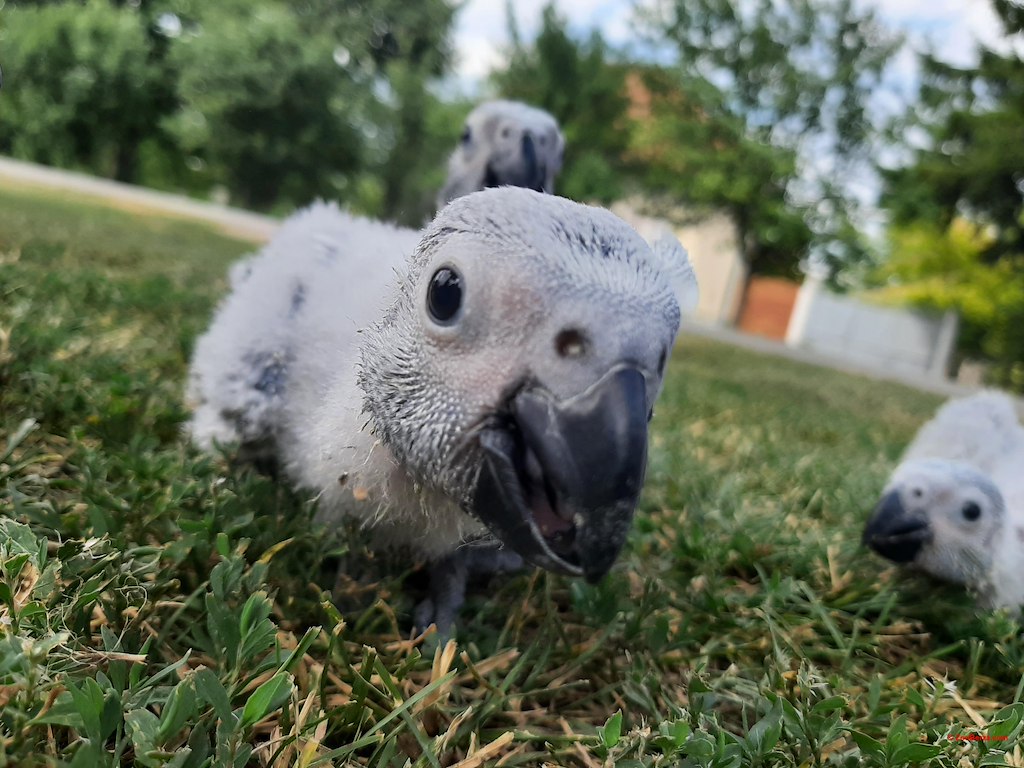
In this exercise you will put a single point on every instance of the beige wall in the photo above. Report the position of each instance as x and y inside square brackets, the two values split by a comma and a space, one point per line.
[713, 246]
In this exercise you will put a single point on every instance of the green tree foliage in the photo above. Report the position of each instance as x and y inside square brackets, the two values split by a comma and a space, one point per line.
[417, 137]
[322, 98]
[330, 101]
[83, 89]
[948, 269]
[580, 84]
[974, 164]
[417, 129]
[266, 106]
[770, 83]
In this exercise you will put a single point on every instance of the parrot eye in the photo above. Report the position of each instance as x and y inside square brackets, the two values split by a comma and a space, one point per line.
[444, 296]
[570, 343]
[464, 138]
[970, 510]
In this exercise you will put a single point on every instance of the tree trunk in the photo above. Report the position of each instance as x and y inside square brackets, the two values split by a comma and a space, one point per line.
[126, 161]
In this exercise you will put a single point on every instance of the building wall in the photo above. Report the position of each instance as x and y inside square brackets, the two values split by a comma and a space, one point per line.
[713, 245]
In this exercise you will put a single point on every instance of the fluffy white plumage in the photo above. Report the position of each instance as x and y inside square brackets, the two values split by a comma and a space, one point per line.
[326, 356]
[954, 507]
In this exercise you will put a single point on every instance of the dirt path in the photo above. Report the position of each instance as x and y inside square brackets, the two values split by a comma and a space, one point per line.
[243, 225]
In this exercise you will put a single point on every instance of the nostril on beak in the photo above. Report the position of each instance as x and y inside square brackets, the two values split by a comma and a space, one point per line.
[570, 343]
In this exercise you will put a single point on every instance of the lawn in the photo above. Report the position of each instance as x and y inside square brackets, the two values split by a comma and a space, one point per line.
[161, 607]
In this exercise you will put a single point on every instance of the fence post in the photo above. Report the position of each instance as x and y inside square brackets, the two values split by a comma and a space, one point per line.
[945, 343]
[796, 330]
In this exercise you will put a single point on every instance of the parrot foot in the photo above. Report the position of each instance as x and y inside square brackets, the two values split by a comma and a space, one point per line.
[449, 577]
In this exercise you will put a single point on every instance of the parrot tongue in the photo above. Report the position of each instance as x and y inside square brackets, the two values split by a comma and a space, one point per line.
[514, 501]
[560, 480]
[543, 502]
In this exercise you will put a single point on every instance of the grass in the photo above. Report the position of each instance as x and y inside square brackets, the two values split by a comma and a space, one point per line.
[161, 607]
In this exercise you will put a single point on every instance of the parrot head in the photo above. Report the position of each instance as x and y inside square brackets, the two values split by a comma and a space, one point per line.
[518, 369]
[942, 517]
[505, 143]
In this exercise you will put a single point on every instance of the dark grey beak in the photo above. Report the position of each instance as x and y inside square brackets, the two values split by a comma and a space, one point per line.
[560, 483]
[526, 171]
[894, 532]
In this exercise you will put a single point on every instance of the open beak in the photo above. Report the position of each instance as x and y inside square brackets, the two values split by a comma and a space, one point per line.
[561, 479]
[895, 532]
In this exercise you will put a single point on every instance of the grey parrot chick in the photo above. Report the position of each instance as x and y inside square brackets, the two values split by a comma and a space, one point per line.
[505, 143]
[954, 507]
[477, 394]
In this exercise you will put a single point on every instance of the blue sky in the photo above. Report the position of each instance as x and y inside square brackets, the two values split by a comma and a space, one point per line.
[951, 26]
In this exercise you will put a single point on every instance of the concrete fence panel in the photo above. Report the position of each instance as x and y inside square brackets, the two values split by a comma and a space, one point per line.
[897, 340]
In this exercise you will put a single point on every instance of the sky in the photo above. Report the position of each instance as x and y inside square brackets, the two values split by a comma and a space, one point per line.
[952, 27]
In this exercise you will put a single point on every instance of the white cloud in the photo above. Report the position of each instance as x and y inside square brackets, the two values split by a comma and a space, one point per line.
[952, 28]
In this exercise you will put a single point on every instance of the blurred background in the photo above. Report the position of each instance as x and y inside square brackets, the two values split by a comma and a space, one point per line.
[849, 176]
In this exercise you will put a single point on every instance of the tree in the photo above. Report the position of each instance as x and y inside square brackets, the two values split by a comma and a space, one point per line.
[266, 106]
[957, 208]
[312, 99]
[418, 134]
[686, 150]
[947, 269]
[973, 165]
[418, 128]
[324, 98]
[783, 88]
[83, 87]
[580, 84]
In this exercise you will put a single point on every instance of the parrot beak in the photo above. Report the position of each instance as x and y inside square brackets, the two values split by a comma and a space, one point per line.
[561, 480]
[525, 171]
[896, 533]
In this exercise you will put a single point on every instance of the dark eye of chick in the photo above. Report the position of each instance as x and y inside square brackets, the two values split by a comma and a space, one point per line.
[970, 510]
[444, 296]
[466, 134]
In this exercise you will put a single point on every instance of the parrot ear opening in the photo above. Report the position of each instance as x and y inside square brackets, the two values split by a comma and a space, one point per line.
[676, 263]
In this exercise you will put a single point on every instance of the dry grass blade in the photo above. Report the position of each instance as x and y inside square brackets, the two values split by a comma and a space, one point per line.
[487, 752]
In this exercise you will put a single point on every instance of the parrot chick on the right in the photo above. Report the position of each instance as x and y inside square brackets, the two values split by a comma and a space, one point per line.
[954, 507]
